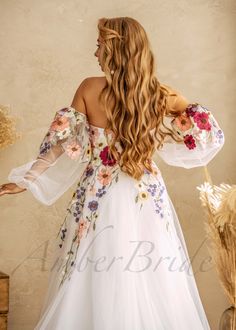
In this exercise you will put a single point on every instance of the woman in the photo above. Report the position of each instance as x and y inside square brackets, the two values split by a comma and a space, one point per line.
[121, 261]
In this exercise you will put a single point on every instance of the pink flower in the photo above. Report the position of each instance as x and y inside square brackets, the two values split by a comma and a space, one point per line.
[191, 110]
[59, 123]
[104, 176]
[201, 119]
[189, 141]
[183, 122]
[106, 158]
[80, 230]
[94, 131]
[73, 150]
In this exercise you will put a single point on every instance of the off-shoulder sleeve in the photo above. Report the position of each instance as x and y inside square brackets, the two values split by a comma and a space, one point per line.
[62, 157]
[201, 138]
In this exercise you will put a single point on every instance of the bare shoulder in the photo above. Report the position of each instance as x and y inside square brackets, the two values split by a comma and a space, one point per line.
[86, 88]
[93, 82]
[176, 99]
[86, 94]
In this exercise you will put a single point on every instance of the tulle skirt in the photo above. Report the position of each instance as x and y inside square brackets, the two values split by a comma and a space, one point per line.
[131, 272]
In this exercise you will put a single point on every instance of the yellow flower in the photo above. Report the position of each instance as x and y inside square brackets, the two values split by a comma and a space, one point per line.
[139, 185]
[143, 195]
[88, 151]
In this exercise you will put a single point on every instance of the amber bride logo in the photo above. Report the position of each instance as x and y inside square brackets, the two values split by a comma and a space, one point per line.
[145, 255]
[141, 252]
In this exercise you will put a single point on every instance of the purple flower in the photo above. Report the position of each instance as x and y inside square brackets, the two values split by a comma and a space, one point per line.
[93, 205]
[44, 147]
[89, 171]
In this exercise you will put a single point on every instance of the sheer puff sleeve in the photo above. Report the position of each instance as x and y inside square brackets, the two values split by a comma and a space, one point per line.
[62, 158]
[201, 138]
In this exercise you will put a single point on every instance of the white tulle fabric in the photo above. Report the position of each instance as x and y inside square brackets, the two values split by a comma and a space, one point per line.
[205, 136]
[120, 258]
[63, 156]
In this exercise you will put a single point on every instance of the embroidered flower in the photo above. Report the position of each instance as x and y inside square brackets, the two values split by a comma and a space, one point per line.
[89, 171]
[94, 133]
[101, 191]
[189, 141]
[201, 119]
[63, 235]
[44, 147]
[65, 124]
[220, 136]
[93, 205]
[106, 158]
[82, 227]
[157, 191]
[143, 195]
[139, 185]
[63, 133]
[104, 176]
[191, 110]
[59, 123]
[152, 189]
[183, 122]
[73, 150]
[96, 160]
[88, 151]
[155, 171]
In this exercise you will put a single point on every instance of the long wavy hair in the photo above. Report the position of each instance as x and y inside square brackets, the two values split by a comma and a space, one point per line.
[140, 101]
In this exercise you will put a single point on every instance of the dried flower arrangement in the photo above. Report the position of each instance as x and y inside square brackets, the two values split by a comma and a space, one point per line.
[220, 204]
[8, 134]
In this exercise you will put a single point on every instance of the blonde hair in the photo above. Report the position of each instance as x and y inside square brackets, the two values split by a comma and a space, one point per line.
[141, 103]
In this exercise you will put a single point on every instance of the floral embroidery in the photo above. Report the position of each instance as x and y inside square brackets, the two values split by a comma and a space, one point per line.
[85, 210]
[219, 136]
[73, 150]
[191, 109]
[158, 198]
[93, 205]
[189, 141]
[201, 119]
[106, 158]
[184, 122]
[196, 123]
[104, 176]
[63, 235]
[80, 231]
[149, 186]
[67, 130]
[143, 195]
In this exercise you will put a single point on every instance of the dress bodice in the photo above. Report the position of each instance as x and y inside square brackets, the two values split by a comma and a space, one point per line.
[99, 146]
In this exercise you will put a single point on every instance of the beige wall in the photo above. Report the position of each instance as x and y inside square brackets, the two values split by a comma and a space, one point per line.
[47, 48]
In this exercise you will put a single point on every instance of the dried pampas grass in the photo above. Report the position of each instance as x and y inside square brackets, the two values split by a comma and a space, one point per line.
[8, 134]
[220, 204]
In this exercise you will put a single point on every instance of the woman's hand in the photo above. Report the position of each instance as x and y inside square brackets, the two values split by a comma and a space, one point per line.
[10, 188]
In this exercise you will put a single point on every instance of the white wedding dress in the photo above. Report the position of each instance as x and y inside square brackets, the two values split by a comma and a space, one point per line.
[120, 260]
